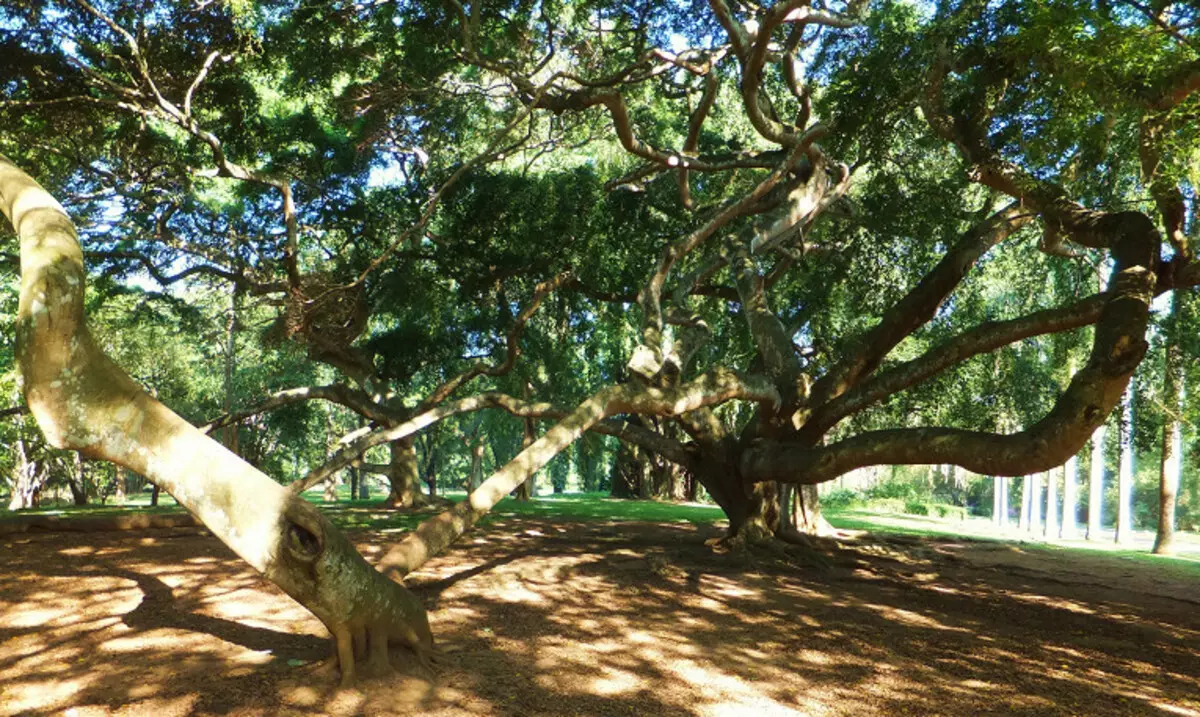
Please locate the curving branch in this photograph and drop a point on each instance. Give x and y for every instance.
(1118, 347)
(918, 306)
(982, 339)
(85, 402)
(649, 359)
(355, 400)
(512, 342)
(1060, 213)
(715, 386)
(435, 534)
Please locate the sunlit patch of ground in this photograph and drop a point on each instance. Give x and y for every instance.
(556, 618)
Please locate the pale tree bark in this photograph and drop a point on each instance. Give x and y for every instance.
(1034, 483)
(1170, 464)
(1051, 505)
(997, 515)
(1096, 484)
(1125, 469)
(435, 534)
(28, 477)
(1068, 527)
(84, 402)
(1023, 523)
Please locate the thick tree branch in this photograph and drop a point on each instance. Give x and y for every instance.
(982, 339)
(435, 534)
(918, 306)
(1118, 348)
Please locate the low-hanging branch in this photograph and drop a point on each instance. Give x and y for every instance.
(709, 389)
(355, 400)
(715, 386)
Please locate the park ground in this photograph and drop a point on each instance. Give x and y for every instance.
(587, 606)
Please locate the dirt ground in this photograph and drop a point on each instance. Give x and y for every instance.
(539, 617)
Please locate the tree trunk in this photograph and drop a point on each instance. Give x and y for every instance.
(1004, 481)
(809, 520)
(404, 476)
(77, 481)
(1125, 472)
(523, 491)
(1096, 484)
(1169, 468)
(28, 479)
(355, 475)
(1067, 528)
(1026, 493)
(121, 481)
(476, 476)
(84, 402)
(997, 516)
(1051, 505)
(787, 506)
(330, 495)
(1035, 502)
(154, 495)
(230, 432)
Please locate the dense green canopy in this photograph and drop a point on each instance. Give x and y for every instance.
(411, 204)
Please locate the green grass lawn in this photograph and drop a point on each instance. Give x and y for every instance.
(371, 514)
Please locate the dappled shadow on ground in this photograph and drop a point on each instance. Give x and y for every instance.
(539, 617)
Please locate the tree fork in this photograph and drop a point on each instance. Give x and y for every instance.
(85, 402)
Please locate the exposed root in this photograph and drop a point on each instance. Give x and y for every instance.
(366, 653)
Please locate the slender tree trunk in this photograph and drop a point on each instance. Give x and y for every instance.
(787, 506)
(1035, 502)
(809, 519)
(230, 432)
(77, 481)
(1067, 528)
(1096, 484)
(1004, 482)
(1169, 468)
(28, 478)
(1026, 493)
(1125, 472)
(154, 495)
(476, 476)
(523, 491)
(122, 480)
(1051, 506)
(997, 520)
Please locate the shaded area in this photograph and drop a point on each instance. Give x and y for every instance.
(546, 617)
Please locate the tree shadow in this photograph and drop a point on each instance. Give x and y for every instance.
(543, 617)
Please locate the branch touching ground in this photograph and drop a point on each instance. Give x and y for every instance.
(85, 402)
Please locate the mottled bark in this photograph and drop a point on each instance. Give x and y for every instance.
(404, 476)
(84, 402)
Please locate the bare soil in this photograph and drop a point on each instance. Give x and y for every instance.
(540, 617)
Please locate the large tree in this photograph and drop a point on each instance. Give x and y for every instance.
(816, 234)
